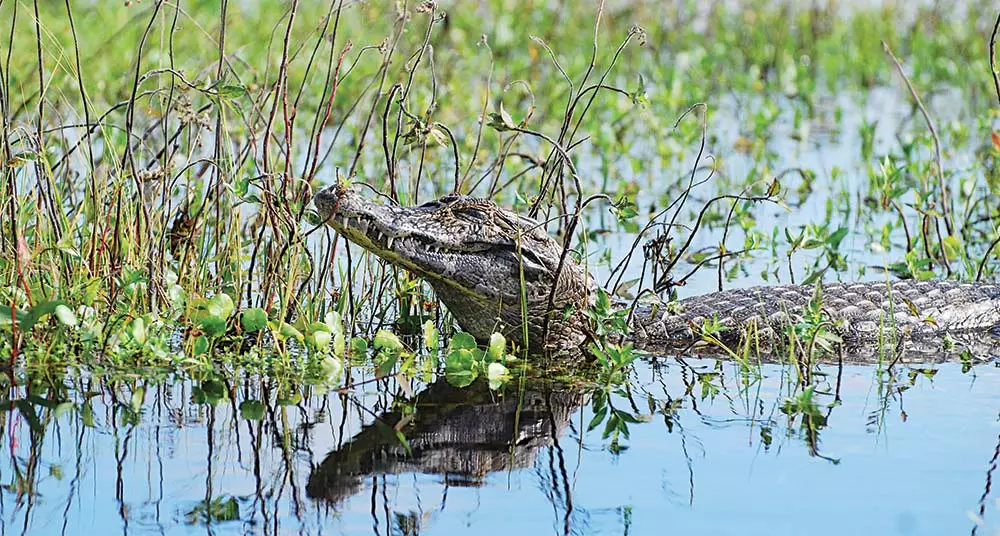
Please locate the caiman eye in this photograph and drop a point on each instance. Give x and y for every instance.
(472, 212)
(442, 201)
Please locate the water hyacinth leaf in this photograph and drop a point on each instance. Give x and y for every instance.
(319, 326)
(339, 345)
(462, 341)
(65, 315)
(285, 331)
(359, 346)
(177, 296)
(496, 371)
(496, 348)
(388, 341)
(332, 368)
(496, 375)
(460, 367)
(209, 392)
(319, 340)
(212, 326)
(221, 306)
(136, 329)
(254, 319)
(385, 363)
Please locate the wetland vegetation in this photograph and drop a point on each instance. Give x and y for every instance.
(186, 347)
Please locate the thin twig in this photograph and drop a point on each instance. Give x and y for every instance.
(945, 199)
(993, 57)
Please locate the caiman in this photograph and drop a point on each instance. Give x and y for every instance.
(495, 271)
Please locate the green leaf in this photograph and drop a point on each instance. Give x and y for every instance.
(252, 410)
(332, 368)
(254, 319)
(392, 434)
(27, 409)
(231, 91)
(462, 341)
(460, 370)
(36, 313)
(603, 303)
(599, 354)
(359, 346)
(136, 329)
(386, 340)
(953, 247)
(87, 414)
(598, 418)
(221, 306)
(505, 117)
(339, 344)
(135, 402)
(319, 340)
(200, 345)
(7, 315)
(65, 315)
(386, 362)
(496, 348)
(286, 331)
(430, 335)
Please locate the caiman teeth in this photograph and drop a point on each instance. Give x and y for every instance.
(389, 241)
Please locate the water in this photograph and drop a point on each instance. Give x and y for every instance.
(907, 451)
(901, 454)
(717, 449)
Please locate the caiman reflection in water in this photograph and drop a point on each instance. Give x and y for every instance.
(461, 434)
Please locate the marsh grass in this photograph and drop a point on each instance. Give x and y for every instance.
(159, 156)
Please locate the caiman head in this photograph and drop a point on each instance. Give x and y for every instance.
(480, 260)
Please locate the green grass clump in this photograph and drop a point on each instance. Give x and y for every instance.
(159, 159)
